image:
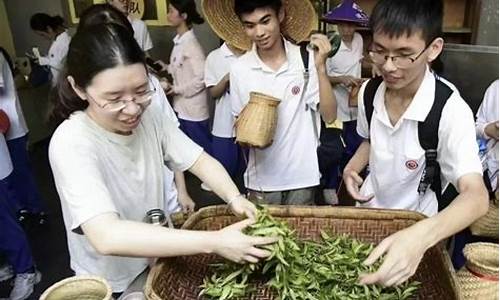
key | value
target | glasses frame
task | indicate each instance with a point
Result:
(394, 58)
(148, 96)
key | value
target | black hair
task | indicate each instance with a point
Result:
(245, 6)
(407, 17)
(92, 50)
(42, 21)
(103, 14)
(188, 7)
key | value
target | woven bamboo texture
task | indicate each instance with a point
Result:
(256, 123)
(478, 279)
(487, 225)
(79, 288)
(180, 277)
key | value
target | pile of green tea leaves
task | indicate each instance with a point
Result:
(298, 269)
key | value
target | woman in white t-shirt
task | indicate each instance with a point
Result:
(53, 29)
(107, 158)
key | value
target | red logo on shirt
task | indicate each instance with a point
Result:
(295, 90)
(411, 164)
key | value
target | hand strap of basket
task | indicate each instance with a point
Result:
(305, 60)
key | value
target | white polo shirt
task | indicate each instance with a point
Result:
(290, 162)
(216, 67)
(347, 61)
(141, 34)
(57, 54)
(488, 113)
(9, 102)
(397, 159)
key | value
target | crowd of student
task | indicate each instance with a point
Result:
(130, 133)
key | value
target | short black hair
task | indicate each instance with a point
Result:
(42, 22)
(188, 7)
(245, 6)
(407, 17)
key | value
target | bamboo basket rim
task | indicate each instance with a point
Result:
(78, 279)
(475, 256)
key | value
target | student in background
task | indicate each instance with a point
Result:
(13, 241)
(487, 129)
(344, 71)
(53, 29)
(224, 148)
(27, 201)
(141, 33)
(187, 65)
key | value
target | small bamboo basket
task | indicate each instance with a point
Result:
(478, 279)
(180, 277)
(79, 288)
(487, 225)
(256, 124)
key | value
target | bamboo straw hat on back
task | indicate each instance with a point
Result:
(299, 21)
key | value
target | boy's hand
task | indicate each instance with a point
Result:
(187, 204)
(491, 130)
(404, 251)
(353, 181)
(323, 49)
(351, 81)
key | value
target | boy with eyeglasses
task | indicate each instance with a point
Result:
(406, 39)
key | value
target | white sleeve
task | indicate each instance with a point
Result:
(457, 148)
(362, 124)
(162, 101)
(147, 43)
(76, 167)
(210, 70)
(486, 113)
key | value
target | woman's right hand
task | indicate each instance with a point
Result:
(232, 244)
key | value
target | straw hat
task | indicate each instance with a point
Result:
(478, 279)
(487, 225)
(347, 11)
(300, 18)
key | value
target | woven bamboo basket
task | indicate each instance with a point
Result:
(256, 124)
(180, 277)
(487, 225)
(79, 288)
(478, 279)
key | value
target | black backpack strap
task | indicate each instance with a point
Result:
(369, 96)
(429, 139)
(305, 56)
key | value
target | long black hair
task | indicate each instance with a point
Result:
(103, 14)
(42, 21)
(93, 49)
(188, 7)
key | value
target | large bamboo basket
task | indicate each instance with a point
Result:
(79, 288)
(256, 124)
(478, 279)
(180, 277)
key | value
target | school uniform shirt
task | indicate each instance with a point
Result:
(5, 161)
(9, 102)
(187, 65)
(397, 160)
(97, 172)
(488, 113)
(216, 67)
(57, 54)
(141, 34)
(347, 61)
(290, 162)
(170, 193)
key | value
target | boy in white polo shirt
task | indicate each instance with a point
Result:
(406, 39)
(224, 148)
(285, 171)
